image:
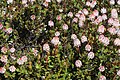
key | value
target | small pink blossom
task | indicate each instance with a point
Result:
(12, 68)
(78, 63)
(51, 23)
(4, 49)
(101, 68)
(1, 26)
(24, 58)
(55, 40)
(101, 29)
(82, 17)
(35, 52)
(117, 42)
(75, 20)
(112, 30)
(87, 47)
(45, 4)
(77, 15)
(83, 39)
(110, 21)
(91, 55)
(77, 43)
(118, 33)
(95, 12)
(92, 5)
(9, 30)
(4, 58)
(58, 18)
(46, 47)
(92, 17)
(85, 11)
(73, 36)
(104, 40)
(70, 14)
(116, 23)
(114, 13)
(102, 77)
(88, 3)
(81, 23)
(48, 0)
(12, 50)
(65, 27)
(2, 70)
(20, 61)
(104, 17)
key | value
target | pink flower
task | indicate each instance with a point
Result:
(91, 55)
(58, 18)
(95, 13)
(4, 59)
(82, 17)
(51, 23)
(12, 50)
(92, 17)
(92, 5)
(81, 23)
(116, 23)
(117, 42)
(9, 1)
(103, 10)
(102, 77)
(1, 26)
(55, 40)
(4, 50)
(77, 43)
(65, 27)
(12, 68)
(9, 30)
(112, 2)
(101, 37)
(24, 58)
(101, 68)
(78, 63)
(57, 33)
(20, 61)
(87, 47)
(32, 17)
(2, 70)
(70, 14)
(35, 52)
(101, 29)
(85, 11)
(104, 17)
(118, 2)
(77, 15)
(83, 39)
(75, 20)
(73, 36)
(46, 47)
(45, 4)
(118, 73)
(104, 40)
(114, 13)
(112, 30)
(110, 21)
(88, 3)
(118, 33)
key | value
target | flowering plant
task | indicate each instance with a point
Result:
(60, 39)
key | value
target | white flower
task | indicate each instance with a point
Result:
(88, 3)
(9, 30)
(59, 1)
(60, 10)
(118, 2)
(112, 2)
(101, 68)
(77, 43)
(73, 36)
(20, 61)
(78, 63)
(103, 10)
(118, 73)
(55, 40)
(51, 23)
(87, 47)
(90, 55)
(24, 1)
(46, 47)
(114, 13)
(117, 42)
(65, 27)
(57, 33)
(102, 77)
(104, 17)
(118, 50)
(12, 50)
(48, 0)
(9, 1)
(45, 4)
(12, 68)
(2, 70)
(83, 39)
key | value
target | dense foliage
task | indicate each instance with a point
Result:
(60, 39)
